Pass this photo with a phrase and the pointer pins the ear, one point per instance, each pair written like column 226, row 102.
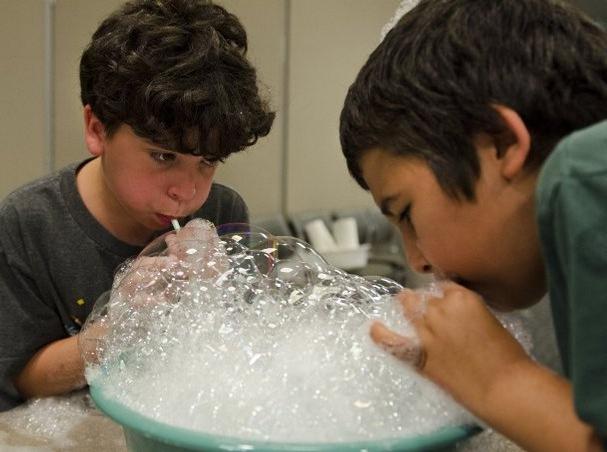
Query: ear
column 94, row 132
column 516, row 149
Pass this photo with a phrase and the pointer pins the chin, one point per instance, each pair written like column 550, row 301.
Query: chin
column 511, row 302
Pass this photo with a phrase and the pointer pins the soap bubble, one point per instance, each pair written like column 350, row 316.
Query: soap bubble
column 240, row 333
column 403, row 8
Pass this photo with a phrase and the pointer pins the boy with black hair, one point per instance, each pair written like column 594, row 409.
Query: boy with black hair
column 167, row 94
column 479, row 126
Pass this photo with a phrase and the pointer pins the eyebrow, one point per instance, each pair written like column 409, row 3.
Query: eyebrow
column 158, row 149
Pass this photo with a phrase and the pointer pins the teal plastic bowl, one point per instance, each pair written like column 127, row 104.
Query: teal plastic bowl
column 144, row 434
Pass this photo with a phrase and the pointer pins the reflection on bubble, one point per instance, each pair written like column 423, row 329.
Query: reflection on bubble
column 247, row 334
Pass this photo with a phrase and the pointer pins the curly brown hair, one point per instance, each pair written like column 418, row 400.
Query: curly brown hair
column 176, row 72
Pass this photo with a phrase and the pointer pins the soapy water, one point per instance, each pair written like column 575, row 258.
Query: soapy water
column 247, row 335
column 66, row 423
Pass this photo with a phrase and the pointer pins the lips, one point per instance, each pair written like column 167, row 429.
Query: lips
column 165, row 220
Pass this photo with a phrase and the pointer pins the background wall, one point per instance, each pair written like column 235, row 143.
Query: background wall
column 306, row 52
column 23, row 104
column 597, row 9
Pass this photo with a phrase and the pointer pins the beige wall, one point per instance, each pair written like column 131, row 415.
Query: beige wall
column 24, row 153
column 307, row 52
column 75, row 22
column 257, row 172
column 330, row 41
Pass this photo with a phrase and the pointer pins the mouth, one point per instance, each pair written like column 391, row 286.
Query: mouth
column 165, row 220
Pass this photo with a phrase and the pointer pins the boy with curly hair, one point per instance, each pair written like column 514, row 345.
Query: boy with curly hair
column 167, row 94
column 479, row 127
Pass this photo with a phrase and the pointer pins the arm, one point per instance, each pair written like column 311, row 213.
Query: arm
column 534, row 407
column 33, row 351
column 482, row 366
column 572, row 222
column 223, row 206
column 55, row 369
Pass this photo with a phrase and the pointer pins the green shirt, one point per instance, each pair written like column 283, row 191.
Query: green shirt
column 572, row 216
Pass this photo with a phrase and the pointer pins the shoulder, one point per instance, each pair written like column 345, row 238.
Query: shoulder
column 584, row 152
column 30, row 198
column 224, row 205
column 580, row 156
column 224, row 193
column 30, row 206
column 35, row 199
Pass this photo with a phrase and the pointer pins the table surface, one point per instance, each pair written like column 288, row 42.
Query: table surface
column 72, row 423
column 69, row 423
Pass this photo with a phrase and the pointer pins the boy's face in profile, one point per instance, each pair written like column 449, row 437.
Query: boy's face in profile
column 152, row 185
column 489, row 245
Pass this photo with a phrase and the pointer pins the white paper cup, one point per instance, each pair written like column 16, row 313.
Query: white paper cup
column 319, row 236
column 345, row 232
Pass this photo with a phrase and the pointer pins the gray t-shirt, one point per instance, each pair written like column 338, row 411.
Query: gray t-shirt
column 56, row 260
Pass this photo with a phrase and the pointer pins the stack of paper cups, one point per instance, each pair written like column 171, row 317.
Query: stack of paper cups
column 345, row 232
column 319, row 236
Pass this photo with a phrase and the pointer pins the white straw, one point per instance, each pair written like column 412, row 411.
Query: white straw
column 175, row 224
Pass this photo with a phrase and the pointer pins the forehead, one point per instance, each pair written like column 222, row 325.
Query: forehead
column 126, row 133
column 387, row 174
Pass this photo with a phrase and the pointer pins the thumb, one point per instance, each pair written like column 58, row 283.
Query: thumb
column 407, row 349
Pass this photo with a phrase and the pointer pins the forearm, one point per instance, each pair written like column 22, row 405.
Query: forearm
column 55, row 369
column 534, row 407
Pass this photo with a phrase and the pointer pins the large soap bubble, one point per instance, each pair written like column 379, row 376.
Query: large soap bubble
column 241, row 333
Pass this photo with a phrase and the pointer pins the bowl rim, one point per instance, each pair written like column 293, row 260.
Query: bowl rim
column 195, row 440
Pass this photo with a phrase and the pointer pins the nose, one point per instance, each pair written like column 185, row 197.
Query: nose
column 416, row 259
column 183, row 188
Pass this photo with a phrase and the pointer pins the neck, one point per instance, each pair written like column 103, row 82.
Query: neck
column 105, row 208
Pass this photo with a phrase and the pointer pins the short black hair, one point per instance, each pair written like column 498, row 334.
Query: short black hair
column 176, row 72
column 428, row 89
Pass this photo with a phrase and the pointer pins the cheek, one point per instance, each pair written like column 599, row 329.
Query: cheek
column 140, row 196
column 204, row 185
column 138, row 190
column 446, row 245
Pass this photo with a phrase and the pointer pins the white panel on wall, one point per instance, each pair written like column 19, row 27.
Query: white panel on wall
column 256, row 173
column 75, row 22
column 330, row 41
column 24, row 153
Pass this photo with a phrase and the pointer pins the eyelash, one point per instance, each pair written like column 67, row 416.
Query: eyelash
column 162, row 157
column 211, row 163
column 166, row 158
column 405, row 215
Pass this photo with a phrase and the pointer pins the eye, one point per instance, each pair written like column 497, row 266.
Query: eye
column 163, row 157
column 405, row 216
column 207, row 162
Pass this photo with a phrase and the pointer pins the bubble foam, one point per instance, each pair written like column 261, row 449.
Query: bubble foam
column 253, row 336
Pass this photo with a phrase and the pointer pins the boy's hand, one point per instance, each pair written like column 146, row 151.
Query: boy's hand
column 191, row 252
column 198, row 249
column 462, row 347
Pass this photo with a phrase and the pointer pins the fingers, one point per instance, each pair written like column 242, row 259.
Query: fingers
column 172, row 244
column 414, row 305
column 197, row 238
column 415, row 302
column 198, row 230
column 406, row 349
column 153, row 263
